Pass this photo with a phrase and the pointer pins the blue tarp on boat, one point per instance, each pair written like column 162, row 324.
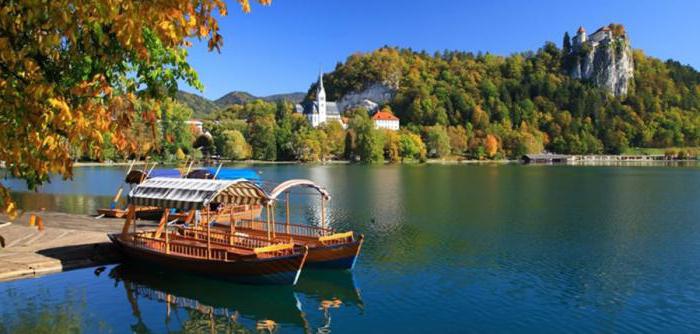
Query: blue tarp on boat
column 165, row 173
column 236, row 173
column 225, row 174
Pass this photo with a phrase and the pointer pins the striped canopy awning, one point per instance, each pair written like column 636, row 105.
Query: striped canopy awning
column 187, row 194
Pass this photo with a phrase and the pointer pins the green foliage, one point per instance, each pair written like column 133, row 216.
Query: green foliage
column 493, row 95
column 369, row 142
column 261, row 134
column 176, row 134
column 437, row 141
column 235, row 146
column 411, row 146
column 199, row 105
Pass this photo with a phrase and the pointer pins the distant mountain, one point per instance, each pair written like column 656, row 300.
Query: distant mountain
column 292, row 97
column 238, row 97
column 200, row 106
column 235, row 97
column 203, row 106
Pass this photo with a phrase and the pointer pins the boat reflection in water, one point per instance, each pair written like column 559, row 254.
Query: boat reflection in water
column 219, row 306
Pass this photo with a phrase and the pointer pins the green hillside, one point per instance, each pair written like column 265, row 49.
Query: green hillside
column 527, row 101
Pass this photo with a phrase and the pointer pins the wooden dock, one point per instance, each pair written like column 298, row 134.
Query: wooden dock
column 68, row 241
column 550, row 158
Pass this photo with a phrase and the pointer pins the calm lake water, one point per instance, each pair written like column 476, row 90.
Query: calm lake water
column 495, row 248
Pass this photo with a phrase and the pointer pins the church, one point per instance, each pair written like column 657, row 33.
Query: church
column 319, row 111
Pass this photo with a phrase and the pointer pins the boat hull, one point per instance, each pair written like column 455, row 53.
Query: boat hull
column 141, row 213
column 283, row 270
column 340, row 256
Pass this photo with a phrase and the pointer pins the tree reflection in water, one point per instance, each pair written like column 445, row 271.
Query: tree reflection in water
column 39, row 315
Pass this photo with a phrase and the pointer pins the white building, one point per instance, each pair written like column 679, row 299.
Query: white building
column 319, row 111
column 196, row 126
column 385, row 120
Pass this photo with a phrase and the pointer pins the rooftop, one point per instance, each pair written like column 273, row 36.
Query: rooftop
column 384, row 116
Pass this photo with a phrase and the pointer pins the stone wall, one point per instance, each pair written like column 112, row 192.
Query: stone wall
column 378, row 93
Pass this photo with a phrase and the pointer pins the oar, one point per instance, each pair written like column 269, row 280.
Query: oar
column 188, row 168
column 150, row 170
column 121, row 188
column 217, row 171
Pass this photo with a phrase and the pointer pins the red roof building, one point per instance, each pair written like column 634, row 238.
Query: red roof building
column 385, row 120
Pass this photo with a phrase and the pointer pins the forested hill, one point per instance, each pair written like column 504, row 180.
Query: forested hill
column 202, row 106
column 528, row 101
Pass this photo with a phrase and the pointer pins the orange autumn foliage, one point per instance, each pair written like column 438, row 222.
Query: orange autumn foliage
column 70, row 72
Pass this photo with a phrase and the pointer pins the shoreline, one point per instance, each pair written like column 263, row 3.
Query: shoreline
column 429, row 161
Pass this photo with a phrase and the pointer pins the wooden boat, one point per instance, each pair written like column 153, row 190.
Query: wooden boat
column 147, row 213
column 135, row 177
column 244, row 259
column 328, row 249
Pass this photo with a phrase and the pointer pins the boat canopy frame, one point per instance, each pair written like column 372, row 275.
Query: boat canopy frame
column 286, row 185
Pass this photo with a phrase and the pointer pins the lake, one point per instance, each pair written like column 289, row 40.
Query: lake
column 455, row 248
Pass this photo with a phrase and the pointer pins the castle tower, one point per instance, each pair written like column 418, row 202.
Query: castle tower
column 321, row 100
column 580, row 36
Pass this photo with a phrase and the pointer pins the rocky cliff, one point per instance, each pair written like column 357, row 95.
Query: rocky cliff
column 604, row 58
column 369, row 98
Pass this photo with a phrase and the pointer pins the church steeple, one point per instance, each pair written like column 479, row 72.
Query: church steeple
column 321, row 100
column 320, row 88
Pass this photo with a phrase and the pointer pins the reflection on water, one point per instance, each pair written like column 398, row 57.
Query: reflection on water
column 165, row 301
column 69, row 203
column 224, row 307
column 448, row 248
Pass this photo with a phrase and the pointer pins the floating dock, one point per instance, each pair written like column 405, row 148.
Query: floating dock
column 550, row 158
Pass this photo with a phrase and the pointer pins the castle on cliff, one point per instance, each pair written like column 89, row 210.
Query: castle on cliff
column 604, row 58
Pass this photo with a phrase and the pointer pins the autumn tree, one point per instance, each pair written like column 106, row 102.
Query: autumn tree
column 491, row 145
column 70, row 73
column 411, row 146
column 392, row 146
column 235, row 146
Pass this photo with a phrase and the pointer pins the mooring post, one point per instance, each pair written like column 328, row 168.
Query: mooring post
column 287, row 205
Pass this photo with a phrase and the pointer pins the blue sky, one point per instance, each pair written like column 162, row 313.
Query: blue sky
column 281, row 48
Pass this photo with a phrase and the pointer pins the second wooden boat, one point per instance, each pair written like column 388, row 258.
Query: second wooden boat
column 328, row 249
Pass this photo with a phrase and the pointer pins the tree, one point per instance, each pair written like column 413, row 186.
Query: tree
column 261, row 135
column 392, row 146
column 491, row 145
column 411, row 146
column 437, row 141
column 69, row 74
column 235, row 146
column 458, row 139
column 334, row 143
column 369, row 141
column 566, row 44
column 176, row 135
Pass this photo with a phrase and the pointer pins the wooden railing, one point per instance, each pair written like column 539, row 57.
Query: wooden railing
column 260, row 246
column 282, row 228
column 225, row 238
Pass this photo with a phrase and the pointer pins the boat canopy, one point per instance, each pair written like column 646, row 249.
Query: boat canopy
column 286, row 185
column 188, row 194
column 224, row 174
